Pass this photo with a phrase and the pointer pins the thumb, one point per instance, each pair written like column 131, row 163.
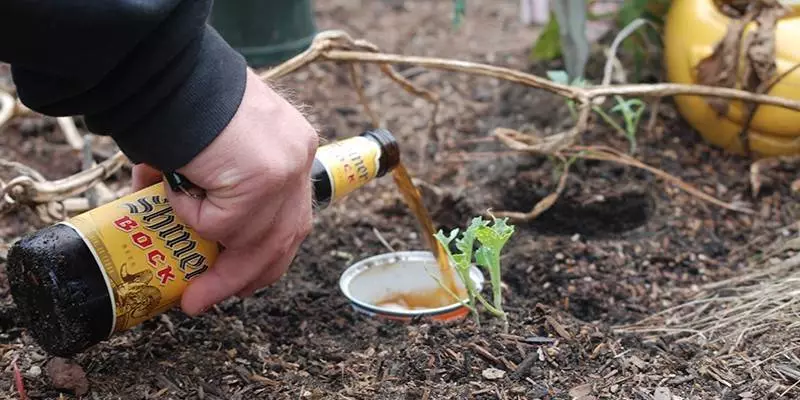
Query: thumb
column 144, row 176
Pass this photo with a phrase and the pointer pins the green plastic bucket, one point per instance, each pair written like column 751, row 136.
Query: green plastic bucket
column 265, row 32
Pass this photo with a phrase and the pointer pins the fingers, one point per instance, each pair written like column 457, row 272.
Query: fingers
column 252, row 265
column 297, row 211
column 232, row 271
column 144, row 176
column 237, row 267
column 273, row 272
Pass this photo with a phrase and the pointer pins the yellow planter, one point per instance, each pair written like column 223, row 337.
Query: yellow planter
column 692, row 29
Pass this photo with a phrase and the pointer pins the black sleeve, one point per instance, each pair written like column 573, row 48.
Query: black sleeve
column 150, row 73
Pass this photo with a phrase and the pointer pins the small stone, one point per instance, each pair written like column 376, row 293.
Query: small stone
column 66, row 375
column 559, row 256
column 493, row 373
column 581, row 392
column 747, row 395
column 662, row 393
column 35, row 371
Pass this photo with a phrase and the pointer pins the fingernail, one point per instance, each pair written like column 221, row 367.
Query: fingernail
column 175, row 180
column 179, row 183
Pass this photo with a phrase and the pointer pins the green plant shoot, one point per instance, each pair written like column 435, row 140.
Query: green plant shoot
column 491, row 239
column 631, row 109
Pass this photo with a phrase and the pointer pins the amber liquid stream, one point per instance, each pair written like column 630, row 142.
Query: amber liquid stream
column 433, row 298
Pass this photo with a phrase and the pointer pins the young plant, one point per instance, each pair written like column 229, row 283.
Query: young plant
column 631, row 109
column 491, row 239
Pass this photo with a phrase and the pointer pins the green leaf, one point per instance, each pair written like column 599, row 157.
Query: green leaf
column 445, row 240
column 459, row 10
column 558, row 76
column 496, row 236
column 630, row 10
column 483, row 257
column 548, row 44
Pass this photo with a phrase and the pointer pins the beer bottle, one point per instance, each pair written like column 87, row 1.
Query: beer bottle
column 78, row 282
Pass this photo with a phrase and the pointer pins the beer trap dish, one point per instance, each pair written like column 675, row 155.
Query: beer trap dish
column 403, row 286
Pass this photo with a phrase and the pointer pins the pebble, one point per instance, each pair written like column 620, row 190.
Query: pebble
column 662, row 393
column 35, row 371
column 493, row 373
column 67, row 375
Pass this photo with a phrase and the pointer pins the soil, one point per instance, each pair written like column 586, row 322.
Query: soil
column 619, row 245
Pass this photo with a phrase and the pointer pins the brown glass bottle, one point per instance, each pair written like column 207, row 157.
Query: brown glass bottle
column 79, row 282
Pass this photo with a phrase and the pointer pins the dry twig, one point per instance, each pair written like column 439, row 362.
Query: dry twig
column 338, row 46
column 729, row 313
column 522, row 142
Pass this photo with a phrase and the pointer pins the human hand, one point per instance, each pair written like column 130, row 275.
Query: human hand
column 257, row 201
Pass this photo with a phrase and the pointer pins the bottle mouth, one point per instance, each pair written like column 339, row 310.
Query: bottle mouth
column 390, row 149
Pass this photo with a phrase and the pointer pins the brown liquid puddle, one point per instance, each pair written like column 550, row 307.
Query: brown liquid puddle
column 418, row 300
column 434, row 298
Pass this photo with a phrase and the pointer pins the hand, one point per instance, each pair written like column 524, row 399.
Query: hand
column 257, row 203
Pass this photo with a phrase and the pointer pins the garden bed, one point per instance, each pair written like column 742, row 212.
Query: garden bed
column 618, row 246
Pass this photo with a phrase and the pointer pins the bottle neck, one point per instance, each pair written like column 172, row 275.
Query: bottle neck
column 345, row 166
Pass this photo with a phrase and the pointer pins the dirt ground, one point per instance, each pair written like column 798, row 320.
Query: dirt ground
column 618, row 246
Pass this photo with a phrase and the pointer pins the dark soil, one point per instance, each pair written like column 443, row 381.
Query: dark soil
column 619, row 245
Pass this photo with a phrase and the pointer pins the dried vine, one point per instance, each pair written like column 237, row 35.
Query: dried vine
column 32, row 190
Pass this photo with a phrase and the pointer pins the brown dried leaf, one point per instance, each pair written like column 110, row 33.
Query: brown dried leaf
column 719, row 68
column 760, row 69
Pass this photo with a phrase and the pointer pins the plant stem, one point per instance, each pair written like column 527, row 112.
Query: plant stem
column 610, row 120
column 497, row 290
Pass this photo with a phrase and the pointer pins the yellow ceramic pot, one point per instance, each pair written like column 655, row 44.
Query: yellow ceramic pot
column 692, row 29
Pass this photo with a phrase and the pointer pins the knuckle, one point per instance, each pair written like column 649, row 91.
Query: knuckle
column 211, row 231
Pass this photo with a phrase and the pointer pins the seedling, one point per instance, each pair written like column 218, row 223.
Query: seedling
column 631, row 109
column 491, row 239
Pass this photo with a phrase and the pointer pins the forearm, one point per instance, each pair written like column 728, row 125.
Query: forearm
column 151, row 74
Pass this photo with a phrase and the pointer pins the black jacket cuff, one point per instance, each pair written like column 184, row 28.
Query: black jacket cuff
column 184, row 119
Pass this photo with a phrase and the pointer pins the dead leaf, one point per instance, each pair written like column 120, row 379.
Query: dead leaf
column 719, row 68
column 759, row 72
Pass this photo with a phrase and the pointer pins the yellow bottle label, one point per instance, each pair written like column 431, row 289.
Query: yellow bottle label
column 147, row 254
column 351, row 163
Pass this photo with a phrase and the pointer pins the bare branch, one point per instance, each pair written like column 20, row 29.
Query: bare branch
column 338, row 46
